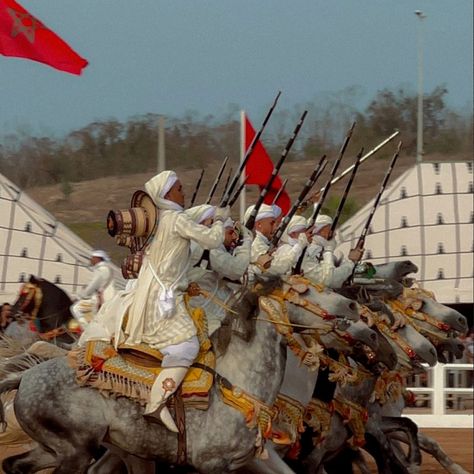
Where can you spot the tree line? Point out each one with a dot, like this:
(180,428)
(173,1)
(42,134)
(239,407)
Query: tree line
(110,147)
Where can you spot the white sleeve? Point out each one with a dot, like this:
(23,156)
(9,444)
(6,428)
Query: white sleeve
(341,274)
(319,271)
(232,266)
(99,279)
(285,258)
(207,237)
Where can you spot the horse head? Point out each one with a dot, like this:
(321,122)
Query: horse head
(43,303)
(395,270)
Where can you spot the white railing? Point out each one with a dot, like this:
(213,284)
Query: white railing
(438,394)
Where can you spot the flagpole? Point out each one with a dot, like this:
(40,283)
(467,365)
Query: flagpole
(161,157)
(242,154)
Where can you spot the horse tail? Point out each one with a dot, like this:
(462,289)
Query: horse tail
(11,382)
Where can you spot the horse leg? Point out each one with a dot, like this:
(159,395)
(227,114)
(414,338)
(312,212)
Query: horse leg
(109,463)
(392,424)
(379,447)
(76,464)
(29,462)
(272,465)
(430,446)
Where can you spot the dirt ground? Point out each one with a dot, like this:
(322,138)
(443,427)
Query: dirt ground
(458,443)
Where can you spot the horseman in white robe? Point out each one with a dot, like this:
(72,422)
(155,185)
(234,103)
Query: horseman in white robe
(99,290)
(265,223)
(293,242)
(218,271)
(156,311)
(320,263)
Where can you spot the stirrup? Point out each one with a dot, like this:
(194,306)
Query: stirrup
(163,415)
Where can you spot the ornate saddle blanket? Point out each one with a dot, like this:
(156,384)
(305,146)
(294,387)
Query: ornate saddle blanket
(131,371)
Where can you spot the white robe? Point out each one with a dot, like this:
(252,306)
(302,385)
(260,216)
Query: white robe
(164,266)
(99,291)
(223,264)
(324,271)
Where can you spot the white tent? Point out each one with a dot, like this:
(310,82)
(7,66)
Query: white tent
(33,242)
(425,216)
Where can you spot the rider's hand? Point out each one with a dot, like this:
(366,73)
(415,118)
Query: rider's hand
(222,213)
(356,254)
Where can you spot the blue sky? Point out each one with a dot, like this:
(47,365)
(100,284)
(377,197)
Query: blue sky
(178,55)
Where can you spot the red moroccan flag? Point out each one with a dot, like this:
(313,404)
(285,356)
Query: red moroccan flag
(23,36)
(259,168)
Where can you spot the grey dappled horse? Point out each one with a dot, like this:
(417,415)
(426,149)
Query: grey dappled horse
(70,423)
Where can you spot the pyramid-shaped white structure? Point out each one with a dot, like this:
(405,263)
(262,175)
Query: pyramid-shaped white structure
(425,216)
(32,241)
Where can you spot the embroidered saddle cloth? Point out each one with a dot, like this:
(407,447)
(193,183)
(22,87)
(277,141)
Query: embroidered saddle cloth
(131,371)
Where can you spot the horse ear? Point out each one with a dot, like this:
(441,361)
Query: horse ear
(33,279)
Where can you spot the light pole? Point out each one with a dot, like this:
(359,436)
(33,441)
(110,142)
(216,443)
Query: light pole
(419,129)
(161,158)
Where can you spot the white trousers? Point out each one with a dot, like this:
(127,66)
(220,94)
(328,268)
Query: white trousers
(182,354)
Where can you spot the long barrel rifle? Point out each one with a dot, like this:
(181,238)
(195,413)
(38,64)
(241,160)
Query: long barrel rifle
(284,154)
(226,184)
(326,188)
(364,158)
(248,153)
(278,194)
(325,192)
(198,185)
(342,202)
(234,198)
(318,170)
(216,181)
(365,230)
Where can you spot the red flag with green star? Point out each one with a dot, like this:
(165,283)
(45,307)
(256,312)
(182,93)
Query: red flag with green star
(23,36)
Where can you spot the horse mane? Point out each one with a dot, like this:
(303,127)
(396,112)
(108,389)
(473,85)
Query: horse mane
(52,289)
(14,358)
(240,321)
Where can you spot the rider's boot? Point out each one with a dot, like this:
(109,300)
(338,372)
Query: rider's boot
(167,382)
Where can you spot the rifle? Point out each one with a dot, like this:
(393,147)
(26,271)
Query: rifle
(226,183)
(251,220)
(248,153)
(325,191)
(326,188)
(278,194)
(198,185)
(318,170)
(237,193)
(340,207)
(365,157)
(360,243)
(216,181)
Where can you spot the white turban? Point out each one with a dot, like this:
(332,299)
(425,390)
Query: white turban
(229,223)
(158,186)
(321,221)
(296,224)
(276,211)
(200,213)
(101,254)
(264,212)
